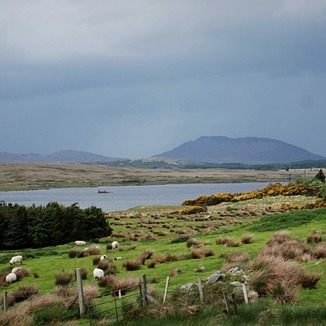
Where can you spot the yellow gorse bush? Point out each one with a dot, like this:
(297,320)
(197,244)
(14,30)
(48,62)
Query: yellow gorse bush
(276,189)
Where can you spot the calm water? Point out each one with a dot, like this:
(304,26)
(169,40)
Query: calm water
(123,197)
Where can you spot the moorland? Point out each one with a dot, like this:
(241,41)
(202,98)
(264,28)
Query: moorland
(276,237)
(25,176)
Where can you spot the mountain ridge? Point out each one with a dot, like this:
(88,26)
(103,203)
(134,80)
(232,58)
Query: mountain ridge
(205,149)
(65,156)
(245,150)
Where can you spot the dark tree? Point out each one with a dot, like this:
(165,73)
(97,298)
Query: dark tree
(320,176)
(22,227)
(16,234)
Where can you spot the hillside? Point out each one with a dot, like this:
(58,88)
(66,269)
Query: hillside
(247,150)
(201,153)
(67,156)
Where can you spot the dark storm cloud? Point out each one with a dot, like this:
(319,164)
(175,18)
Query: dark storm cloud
(135,78)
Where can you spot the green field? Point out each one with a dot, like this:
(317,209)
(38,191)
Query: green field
(162,234)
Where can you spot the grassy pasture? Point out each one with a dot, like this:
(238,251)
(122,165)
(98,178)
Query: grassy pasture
(154,229)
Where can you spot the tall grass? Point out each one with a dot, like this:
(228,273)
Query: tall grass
(287,220)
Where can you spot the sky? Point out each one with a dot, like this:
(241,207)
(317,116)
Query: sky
(135,78)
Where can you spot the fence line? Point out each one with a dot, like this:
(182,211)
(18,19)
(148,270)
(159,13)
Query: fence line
(114,307)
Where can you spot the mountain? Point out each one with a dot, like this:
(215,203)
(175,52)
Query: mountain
(247,150)
(68,156)
(210,150)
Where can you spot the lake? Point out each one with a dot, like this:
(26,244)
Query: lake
(116,198)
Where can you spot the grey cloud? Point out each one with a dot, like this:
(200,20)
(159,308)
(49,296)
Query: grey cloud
(126,78)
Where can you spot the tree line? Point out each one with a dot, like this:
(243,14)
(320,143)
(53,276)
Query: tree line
(50,225)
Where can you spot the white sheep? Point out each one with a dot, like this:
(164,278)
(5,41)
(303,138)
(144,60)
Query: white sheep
(104,257)
(98,273)
(15,269)
(115,245)
(16,259)
(80,243)
(11,277)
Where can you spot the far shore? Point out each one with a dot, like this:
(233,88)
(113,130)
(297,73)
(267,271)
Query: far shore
(28,176)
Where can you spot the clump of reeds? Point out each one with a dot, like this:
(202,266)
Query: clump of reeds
(195,254)
(192,242)
(310,279)
(65,291)
(22,314)
(234,257)
(24,292)
(92,250)
(124,284)
(227,242)
(320,251)
(284,293)
(281,244)
(132,265)
(147,254)
(96,260)
(279,237)
(268,271)
(168,258)
(105,281)
(247,239)
(63,278)
(75,253)
(174,271)
(3,281)
(151,264)
(135,264)
(314,237)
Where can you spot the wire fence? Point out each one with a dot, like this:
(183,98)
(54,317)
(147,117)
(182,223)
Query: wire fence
(113,305)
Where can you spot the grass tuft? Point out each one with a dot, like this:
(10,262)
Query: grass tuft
(63,278)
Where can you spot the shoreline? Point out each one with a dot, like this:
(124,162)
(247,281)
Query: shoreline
(35,176)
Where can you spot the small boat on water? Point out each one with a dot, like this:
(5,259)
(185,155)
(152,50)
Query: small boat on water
(102,191)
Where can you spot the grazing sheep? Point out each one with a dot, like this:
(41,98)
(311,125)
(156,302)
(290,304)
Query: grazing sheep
(115,245)
(80,243)
(104,257)
(11,277)
(117,258)
(16,259)
(98,273)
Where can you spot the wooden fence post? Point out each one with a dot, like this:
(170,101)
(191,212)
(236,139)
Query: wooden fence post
(200,288)
(5,301)
(227,307)
(245,293)
(166,289)
(143,288)
(80,293)
(116,308)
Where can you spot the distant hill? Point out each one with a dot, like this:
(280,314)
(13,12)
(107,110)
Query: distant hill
(247,150)
(200,153)
(67,156)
